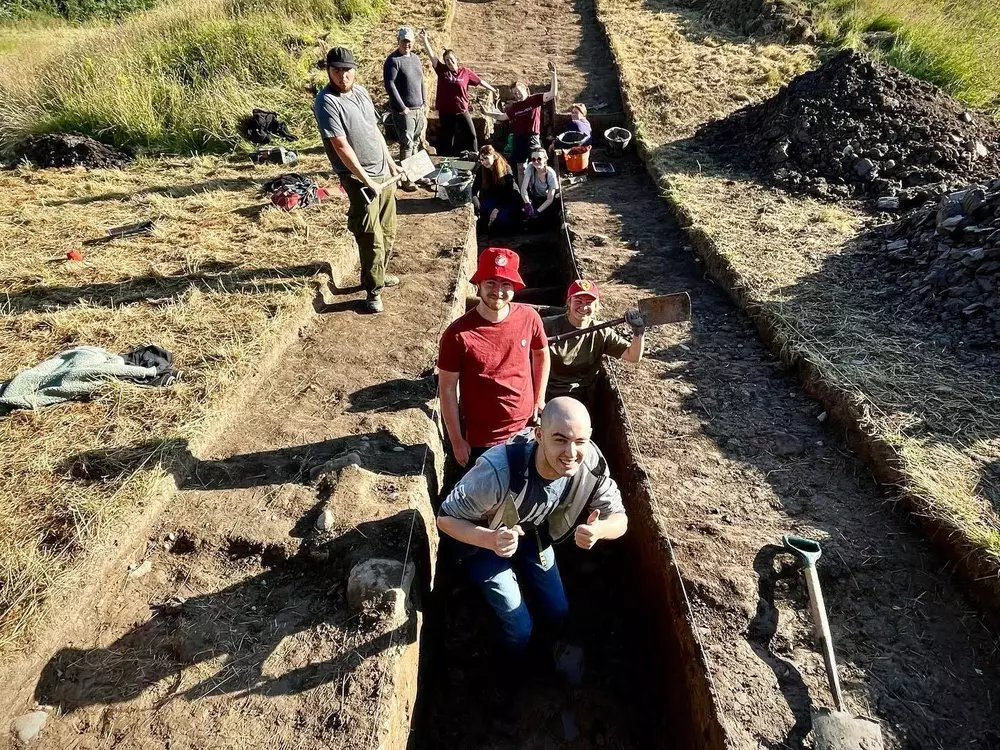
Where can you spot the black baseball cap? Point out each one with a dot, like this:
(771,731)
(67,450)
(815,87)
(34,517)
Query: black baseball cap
(340,57)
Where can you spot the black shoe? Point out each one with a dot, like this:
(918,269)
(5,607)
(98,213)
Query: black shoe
(409,187)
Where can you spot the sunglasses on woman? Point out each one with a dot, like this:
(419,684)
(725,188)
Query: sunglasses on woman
(537,159)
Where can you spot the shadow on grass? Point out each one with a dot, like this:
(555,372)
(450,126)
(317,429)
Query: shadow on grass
(213,277)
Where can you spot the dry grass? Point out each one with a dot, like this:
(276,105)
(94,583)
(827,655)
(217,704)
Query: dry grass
(791,256)
(215,284)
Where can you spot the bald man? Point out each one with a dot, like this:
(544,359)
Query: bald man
(545,485)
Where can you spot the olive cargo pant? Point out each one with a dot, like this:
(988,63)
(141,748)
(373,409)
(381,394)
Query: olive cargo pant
(374,228)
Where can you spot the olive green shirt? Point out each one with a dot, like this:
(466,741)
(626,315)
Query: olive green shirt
(577,361)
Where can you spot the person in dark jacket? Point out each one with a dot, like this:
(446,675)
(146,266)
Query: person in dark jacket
(494,194)
(403,77)
(457,132)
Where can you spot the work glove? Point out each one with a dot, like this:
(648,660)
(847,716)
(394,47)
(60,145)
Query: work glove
(635,319)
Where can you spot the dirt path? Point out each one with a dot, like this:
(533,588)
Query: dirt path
(233,629)
(738,456)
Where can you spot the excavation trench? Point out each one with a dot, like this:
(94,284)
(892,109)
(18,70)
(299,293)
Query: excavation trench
(644,684)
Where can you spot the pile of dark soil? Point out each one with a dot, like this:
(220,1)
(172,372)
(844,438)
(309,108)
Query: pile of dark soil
(785,20)
(70,150)
(856,127)
(945,258)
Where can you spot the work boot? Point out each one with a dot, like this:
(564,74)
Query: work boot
(373,303)
(409,187)
(390,280)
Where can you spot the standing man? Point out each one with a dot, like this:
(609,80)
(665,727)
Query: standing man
(525,117)
(494,359)
(576,362)
(404,83)
(516,501)
(346,118)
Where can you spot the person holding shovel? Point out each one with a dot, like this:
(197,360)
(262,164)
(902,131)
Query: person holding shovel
(360,157)
(494,358)
(543,487)
(576,362)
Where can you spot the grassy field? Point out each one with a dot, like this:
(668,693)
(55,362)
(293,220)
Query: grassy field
(223,279)
(178,78)
(953,44)
(938,418)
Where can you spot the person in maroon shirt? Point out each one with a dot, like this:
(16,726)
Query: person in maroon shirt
(525,117)
(457,132)
(495,358)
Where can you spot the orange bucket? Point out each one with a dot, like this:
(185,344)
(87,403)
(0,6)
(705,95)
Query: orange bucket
(577,158)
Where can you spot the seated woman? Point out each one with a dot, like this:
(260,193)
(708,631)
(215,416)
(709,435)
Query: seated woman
(579,123)
(457,132)
(540,190)
(494,194)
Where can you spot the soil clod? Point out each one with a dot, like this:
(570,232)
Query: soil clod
(70,150)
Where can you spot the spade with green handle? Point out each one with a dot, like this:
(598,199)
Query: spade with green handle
(832,730)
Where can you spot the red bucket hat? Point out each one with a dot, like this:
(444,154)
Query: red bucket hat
(498,263)
(583,288)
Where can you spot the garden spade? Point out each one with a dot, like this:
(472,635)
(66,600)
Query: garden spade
(832,729)
(656,311)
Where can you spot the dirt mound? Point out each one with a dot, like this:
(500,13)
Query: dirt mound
(856,127)
(945,258)
(787,20)
(69,150)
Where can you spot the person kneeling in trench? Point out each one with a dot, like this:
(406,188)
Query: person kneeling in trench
(542,487)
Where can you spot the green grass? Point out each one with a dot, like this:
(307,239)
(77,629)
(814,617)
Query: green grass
(71,10)
(952,43)
(180,77)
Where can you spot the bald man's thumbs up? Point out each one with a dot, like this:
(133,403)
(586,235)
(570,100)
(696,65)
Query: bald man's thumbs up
(588,533)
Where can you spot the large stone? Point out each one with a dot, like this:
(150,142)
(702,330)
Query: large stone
(335,464)
(326,520)
(27,727)
(381,582)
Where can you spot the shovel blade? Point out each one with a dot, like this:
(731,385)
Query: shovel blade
(837,730)
(670,308)
(417,166)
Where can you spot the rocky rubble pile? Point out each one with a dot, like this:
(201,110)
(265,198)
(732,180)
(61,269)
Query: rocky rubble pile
(856,127)
(70,150)
(945,258)
(786,20)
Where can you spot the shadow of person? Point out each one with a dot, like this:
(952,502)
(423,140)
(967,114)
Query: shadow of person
(241,625)
(398,394)
(762,629)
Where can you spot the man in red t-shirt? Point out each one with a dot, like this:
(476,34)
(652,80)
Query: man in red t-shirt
(525,117)
(496,358)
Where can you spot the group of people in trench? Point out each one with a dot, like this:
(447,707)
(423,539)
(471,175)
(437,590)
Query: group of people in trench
(516,407)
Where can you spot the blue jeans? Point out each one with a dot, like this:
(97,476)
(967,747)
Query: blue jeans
(505,581)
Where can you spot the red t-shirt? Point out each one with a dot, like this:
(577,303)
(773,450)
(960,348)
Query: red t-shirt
(495,388)
(526,115)
(453,89)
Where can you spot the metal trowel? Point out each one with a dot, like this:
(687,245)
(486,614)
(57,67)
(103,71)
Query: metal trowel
(832,729)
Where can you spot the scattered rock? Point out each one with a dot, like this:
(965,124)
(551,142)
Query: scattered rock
(335,464)
(27,727)
(888,203)
(598,240)
(325,520)
(382,583)
(70,150)
(142,569)
(855,127)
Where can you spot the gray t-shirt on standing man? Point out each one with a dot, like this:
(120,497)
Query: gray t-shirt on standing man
(351,115)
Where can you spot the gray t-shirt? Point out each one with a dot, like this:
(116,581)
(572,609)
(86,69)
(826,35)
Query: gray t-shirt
(403,76)
(478,495)
(351,115)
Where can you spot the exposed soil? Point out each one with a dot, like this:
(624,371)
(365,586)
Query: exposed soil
(942,263)
(232,629)
(71,150)
(787,20)
(737,457)
(855,126)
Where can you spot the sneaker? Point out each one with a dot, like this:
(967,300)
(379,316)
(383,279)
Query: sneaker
(390,280)
(409,187)
(426,184)
(373,303)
